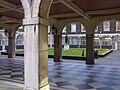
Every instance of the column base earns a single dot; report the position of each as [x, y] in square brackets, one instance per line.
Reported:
[59, 60]
[47, 87]
[90, 63]
[11, 56]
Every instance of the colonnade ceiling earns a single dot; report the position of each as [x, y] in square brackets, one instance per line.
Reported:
[11, 11]
[64, 9]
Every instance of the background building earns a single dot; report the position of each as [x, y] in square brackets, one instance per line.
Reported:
[106, 35]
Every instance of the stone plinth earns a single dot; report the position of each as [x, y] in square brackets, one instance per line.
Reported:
[66, 47]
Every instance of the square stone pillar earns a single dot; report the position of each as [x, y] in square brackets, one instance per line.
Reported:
[36, 57]
[57, 48]
[89, 48]
[11, 46]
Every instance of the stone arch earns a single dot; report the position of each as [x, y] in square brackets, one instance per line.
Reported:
[61, 24]
[12, 29]
[102, 19]
[45, 8]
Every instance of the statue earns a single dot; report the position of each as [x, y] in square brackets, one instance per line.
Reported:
[66, 39]
[83, 52]
[66, 46]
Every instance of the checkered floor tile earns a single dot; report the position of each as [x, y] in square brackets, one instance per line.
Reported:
[12, 69]
[68, 75]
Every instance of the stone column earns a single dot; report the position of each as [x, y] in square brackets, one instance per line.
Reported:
[57, 48]
[36, 55]
[89, 48]
[11, 46]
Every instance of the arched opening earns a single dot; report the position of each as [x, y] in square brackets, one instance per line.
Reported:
[73, 32]
[106, 32]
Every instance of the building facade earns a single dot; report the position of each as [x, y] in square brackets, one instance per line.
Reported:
[19, 38]
[106, 36]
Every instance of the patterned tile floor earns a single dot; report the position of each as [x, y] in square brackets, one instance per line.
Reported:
[69, 74]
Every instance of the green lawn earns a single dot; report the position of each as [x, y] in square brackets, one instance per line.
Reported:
[71, 52]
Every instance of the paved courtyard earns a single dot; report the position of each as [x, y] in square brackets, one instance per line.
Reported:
[69, 74]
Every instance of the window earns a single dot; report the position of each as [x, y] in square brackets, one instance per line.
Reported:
[107, 41]
[19, 40]
[83, 41]
[117, 25]
[96, 41]
[74, 41]
[82, 28]
[73, 27]
[106, 25]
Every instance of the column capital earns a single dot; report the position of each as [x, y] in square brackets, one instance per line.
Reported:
[30, 21]
[35, 21]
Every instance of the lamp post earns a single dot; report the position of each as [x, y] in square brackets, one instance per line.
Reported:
[6, 32]
[66, 39]
[54, 30]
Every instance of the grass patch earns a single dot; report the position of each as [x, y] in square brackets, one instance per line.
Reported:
[71, 52]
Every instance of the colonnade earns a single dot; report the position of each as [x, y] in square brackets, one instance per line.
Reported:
[35, 22]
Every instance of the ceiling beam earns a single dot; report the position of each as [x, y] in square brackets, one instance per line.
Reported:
[10, 6]
[75, 8]
[57, 1]
[5, 10]
[107, 11]
[5, 19]
[52, 20]
[64, 15]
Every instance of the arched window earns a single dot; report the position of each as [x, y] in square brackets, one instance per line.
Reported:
[74, 41]
[19, 39]
[106, 25]
[83, 40]
[73, 27]
[117, 25]
[96, 41]
[107, 41]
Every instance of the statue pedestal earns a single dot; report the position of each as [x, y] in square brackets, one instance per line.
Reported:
[66, 47]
